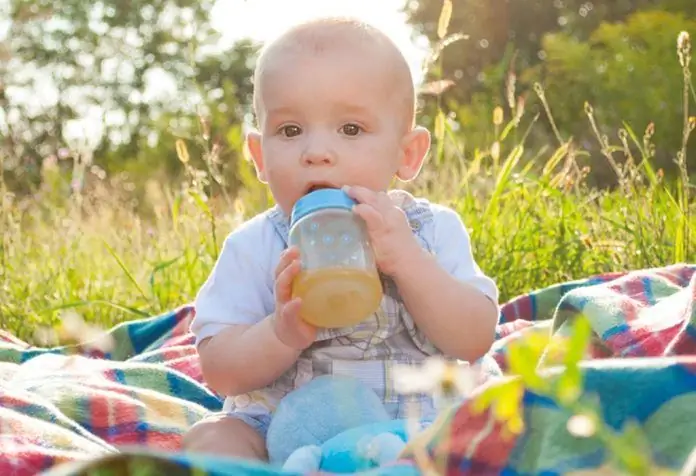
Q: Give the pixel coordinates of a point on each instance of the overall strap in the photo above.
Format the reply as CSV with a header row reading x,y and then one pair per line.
x,y
281,223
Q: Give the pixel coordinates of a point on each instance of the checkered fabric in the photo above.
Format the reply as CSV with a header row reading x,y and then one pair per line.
x,y
370,349
103,412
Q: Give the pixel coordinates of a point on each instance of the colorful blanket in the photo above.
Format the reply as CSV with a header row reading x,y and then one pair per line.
x,y
75,410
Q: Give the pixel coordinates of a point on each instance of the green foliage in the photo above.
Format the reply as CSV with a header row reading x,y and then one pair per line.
x,y
550,365
619,57
627,71
493,27
531,224
141,72
90,253
103,246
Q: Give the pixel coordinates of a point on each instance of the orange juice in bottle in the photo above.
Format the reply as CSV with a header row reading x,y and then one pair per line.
x,y
337,296
339,283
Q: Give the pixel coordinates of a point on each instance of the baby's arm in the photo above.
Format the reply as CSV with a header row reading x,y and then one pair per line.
x,y
244,358
445,294
242,349
450,299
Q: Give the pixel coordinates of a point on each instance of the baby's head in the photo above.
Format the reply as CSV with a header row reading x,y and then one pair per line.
x,y
335,105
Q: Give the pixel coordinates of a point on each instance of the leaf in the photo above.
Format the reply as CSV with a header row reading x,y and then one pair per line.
x,y
122,265
632,449
485,399
444,20
507,405
578,341
200,203
176,209
440,126
645,163
161,266
557,156
74,304
523,358
182,151
502,179
569,385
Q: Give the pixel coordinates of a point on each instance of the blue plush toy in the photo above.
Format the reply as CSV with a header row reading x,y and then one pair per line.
x,y
333,424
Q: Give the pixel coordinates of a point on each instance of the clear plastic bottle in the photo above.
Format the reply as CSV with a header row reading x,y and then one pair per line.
x,y
339,284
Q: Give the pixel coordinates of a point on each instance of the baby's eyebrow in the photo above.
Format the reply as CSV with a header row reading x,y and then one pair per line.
x,y
283,110
352,108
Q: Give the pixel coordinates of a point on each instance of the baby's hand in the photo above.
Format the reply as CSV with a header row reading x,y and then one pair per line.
x,y
390,233
290,329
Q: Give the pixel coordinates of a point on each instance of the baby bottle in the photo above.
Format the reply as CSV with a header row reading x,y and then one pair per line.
x,y
339,284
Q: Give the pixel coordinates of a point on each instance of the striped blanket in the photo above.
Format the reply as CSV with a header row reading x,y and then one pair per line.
x,y
78,410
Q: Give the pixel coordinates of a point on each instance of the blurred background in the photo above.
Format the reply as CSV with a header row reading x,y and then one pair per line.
x,y
560,135
118,81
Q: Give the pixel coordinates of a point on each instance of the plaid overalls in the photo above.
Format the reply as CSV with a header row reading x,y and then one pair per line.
x,y
367,351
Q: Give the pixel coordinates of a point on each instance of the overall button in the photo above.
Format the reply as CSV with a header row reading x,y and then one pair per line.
x,y
242,401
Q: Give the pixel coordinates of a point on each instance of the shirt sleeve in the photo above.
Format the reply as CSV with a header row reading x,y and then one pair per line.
x,y
238,289
452,247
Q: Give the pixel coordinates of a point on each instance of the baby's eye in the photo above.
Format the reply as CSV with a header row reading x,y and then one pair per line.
x,y
290,131
351,129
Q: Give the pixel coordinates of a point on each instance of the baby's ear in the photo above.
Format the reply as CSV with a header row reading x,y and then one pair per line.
x,y
253,151
414,148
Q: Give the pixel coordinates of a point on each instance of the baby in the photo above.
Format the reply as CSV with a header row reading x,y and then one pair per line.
x,y
335,104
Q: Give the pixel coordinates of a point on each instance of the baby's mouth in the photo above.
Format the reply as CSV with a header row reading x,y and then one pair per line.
x,y
319,186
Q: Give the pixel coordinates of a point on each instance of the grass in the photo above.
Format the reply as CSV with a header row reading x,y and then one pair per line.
x,y
533,223
101,251
104,252
107,253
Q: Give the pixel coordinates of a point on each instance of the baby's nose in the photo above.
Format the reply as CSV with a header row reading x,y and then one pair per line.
x,y
317,159
318,153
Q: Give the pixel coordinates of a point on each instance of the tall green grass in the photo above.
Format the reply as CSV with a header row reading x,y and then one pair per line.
x,y
533,219
96,254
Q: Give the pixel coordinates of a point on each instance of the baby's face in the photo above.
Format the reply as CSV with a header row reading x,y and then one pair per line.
x,y
328,120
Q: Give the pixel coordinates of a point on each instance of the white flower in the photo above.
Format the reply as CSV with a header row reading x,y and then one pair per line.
x,y
581,426
442,379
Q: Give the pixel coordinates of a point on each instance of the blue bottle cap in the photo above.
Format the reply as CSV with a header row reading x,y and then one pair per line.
x,y
319,200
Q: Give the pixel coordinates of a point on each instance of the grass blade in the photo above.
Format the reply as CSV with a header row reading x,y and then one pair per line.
x,y
91,302
125,269
503,177
161,267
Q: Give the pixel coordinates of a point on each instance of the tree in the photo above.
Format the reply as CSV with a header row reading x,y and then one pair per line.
x,y
497,28
628,72
134,68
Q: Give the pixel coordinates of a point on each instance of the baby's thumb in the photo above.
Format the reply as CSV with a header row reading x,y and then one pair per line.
x,y
291,311
293,318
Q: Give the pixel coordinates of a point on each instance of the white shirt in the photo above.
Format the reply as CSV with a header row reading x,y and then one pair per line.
x,y
240,290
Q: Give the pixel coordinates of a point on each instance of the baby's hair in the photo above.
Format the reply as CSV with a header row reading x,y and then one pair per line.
x,y
319,35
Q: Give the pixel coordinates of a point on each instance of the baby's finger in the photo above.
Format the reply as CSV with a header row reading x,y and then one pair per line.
x,y
373,218
380,201
291,311
293,319
283,285
361,194
383,202
298,333
286,257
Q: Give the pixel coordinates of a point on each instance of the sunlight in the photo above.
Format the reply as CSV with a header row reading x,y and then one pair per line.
x,y
260,20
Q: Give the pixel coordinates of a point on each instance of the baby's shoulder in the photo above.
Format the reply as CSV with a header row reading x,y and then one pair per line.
x,y
255,242
252,231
